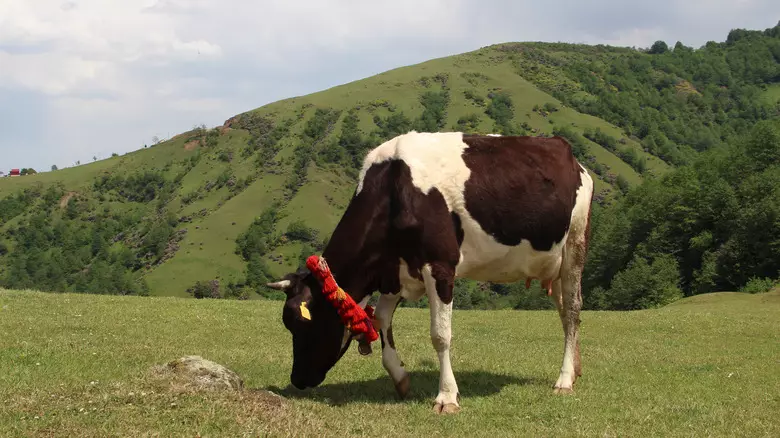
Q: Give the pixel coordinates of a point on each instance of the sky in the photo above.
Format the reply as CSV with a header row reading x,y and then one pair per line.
x,y
86,78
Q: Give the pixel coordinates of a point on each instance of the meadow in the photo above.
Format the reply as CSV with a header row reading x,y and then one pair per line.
x,y
79,365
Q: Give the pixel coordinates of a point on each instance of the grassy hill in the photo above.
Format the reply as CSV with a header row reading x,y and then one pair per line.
x,y
76,365
243,202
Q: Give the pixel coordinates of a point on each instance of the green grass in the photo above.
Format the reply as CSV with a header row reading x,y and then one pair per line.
x,y
78,365
772,93
208,250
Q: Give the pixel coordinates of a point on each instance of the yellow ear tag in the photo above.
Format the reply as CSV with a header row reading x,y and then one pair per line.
x,y
305,311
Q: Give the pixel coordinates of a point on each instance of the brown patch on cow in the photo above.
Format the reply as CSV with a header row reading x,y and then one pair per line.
x,y
190,145
456,222
577,362
390,339
521,188
66,198
425,232
444,275
389,220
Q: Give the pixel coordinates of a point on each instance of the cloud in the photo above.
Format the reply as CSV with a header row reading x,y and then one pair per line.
x,y
82,72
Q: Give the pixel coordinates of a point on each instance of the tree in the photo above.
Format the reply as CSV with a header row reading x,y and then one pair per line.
x,y
763,146
658,47
622,184
53,167
645,285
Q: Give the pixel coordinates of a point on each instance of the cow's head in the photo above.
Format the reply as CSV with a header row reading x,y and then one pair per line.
x,y
318,334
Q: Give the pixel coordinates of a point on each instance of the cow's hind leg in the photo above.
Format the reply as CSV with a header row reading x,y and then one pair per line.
x,y
385,310
568,305
567,293
439,281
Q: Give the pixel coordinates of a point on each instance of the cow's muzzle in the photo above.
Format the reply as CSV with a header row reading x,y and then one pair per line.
x,y
302,383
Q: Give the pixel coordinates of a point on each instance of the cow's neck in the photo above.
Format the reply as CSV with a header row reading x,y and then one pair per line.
x,y
354,251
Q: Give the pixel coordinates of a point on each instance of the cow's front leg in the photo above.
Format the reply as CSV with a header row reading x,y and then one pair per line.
x,y
439,281
385,310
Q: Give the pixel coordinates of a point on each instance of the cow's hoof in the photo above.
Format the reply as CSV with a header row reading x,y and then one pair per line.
x,y
449,408
563,391
364,349
402,387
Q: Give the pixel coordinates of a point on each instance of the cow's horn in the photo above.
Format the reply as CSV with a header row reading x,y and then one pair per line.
x,y
279,285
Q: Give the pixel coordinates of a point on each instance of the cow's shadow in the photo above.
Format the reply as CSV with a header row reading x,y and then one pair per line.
x,y
424,387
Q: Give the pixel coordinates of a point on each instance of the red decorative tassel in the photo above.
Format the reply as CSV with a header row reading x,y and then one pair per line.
x,y
353,316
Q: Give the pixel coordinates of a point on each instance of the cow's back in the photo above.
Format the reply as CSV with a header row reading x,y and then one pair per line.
x,y
513,196
521,188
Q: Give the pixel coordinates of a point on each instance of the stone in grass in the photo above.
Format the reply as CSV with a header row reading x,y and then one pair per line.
x,y
201,373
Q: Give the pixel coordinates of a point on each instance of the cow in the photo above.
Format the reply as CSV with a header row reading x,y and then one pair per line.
x,y
432,207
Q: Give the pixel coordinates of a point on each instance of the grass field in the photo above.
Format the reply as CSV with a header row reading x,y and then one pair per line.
x,y
78,365
772,93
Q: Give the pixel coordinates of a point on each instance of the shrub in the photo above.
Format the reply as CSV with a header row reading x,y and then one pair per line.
x,y
258,239
205,289
759,285
298,230
644,285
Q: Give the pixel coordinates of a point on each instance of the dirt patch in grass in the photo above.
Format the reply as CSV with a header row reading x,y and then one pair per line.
x,y
65,199
190,145
197,373
685,87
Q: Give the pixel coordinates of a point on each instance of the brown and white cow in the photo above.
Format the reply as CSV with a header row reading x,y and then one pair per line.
x,y
432,207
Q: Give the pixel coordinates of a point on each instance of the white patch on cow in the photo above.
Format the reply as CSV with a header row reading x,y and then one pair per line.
x,y
412,289
379,154
434,160
384,313
582,205
441,337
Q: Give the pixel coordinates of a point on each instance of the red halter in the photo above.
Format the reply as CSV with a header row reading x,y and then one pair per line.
x,y
353,316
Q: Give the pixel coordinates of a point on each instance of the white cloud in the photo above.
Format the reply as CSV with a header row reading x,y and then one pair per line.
x,y
131,69
87,43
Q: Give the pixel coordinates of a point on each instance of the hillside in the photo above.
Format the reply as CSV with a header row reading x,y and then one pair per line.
x,y
244,201
79,365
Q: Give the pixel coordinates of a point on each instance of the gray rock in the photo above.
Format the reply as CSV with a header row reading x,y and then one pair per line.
x,y
202,374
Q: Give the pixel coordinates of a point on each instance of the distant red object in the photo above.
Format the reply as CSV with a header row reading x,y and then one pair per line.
x,y
14,172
